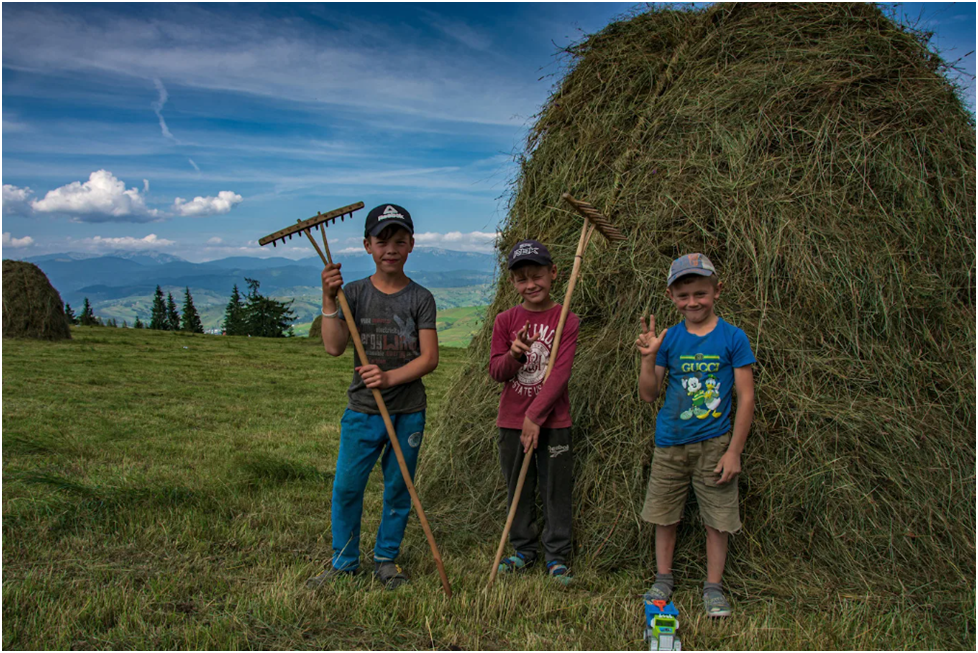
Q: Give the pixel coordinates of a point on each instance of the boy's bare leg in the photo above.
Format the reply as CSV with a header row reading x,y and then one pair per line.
x,y
716,553
665,546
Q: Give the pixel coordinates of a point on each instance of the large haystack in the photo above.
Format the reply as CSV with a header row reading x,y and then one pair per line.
x,y
821,160
32,308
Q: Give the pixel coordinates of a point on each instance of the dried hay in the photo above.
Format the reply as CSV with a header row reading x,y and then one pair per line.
x,y
818,156
32,308
316,330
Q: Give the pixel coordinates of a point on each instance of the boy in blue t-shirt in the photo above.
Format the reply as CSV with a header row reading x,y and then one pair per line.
x,y
707,358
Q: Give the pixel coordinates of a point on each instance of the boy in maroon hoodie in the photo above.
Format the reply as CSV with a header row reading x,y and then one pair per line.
x,y
535,418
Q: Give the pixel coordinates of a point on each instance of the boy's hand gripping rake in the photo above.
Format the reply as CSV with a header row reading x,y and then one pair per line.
x,y
304,226
593,220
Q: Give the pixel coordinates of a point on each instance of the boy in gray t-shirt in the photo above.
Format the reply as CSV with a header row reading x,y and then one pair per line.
x,y
396,320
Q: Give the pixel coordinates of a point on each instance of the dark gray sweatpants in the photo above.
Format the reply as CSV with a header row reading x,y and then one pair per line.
x,y
553,471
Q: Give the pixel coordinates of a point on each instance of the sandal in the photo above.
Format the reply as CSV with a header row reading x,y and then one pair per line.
x,y
516,563
558,571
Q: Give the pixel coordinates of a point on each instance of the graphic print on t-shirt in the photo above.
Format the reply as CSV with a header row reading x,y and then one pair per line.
x,y
389,342
529,380
702,386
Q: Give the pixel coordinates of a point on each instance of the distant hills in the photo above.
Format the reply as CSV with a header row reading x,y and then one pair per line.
x,y
120,284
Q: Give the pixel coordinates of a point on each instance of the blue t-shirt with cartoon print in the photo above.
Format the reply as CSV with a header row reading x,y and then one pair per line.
x,y
700,382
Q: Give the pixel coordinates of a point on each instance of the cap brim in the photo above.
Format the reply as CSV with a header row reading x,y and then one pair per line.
x,y
700,271
541,260
380,226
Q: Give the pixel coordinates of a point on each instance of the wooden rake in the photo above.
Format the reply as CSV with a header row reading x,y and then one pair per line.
x,y
593,220
322,220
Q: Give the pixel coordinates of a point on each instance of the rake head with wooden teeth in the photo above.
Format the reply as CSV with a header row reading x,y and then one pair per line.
x,y
321,219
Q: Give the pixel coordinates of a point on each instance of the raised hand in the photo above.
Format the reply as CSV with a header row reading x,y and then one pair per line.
x,y
648,343
523,343
332,280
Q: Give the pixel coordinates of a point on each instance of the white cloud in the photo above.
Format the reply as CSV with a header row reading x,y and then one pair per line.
x,y
201,206
8,241
215,241
102,198
151,241
194,165
474,241
16,201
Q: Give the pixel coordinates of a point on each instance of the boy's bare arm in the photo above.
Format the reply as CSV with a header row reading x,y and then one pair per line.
x,y
335,332
729,465
425,363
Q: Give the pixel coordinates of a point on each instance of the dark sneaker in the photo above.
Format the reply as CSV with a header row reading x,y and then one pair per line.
x,y
516,563
390,574
330,574
559,572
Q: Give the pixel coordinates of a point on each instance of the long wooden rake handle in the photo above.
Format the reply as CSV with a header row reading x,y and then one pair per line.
x,y
358,343
586,233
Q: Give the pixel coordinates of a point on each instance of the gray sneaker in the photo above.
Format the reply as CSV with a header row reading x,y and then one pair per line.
x,y
330,574
390,574
716,604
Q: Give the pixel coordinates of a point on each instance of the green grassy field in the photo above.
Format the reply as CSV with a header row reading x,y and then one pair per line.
x,y
171,491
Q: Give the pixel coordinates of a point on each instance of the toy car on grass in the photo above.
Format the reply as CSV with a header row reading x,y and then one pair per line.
x,y
661,622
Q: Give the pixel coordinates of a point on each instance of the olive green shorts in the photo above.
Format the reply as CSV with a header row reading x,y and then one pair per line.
x,y
673,468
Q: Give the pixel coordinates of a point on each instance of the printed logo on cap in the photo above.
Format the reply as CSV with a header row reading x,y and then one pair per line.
x,y
389,213
526,248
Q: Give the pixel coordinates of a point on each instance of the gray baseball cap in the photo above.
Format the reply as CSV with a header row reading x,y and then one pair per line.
x,y
690,264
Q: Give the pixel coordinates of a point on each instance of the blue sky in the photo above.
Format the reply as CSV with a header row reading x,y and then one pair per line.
x,y
196,129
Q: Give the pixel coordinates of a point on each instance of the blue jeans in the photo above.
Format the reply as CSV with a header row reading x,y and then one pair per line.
x,y
363,438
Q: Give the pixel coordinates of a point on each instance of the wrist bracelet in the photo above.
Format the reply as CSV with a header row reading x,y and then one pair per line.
x,y
333,314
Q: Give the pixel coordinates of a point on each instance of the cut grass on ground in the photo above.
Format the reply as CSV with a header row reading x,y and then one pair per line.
x,y
171,491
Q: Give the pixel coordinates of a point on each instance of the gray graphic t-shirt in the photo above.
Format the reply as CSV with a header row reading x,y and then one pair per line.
x,y
389,326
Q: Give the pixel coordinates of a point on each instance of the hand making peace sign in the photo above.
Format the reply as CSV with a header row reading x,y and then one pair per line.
x,y
648,343
524,342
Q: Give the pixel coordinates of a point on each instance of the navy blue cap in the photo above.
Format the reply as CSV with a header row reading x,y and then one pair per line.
x,y
529,251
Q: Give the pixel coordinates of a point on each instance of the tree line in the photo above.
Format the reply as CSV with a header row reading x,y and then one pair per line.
x,y
252,314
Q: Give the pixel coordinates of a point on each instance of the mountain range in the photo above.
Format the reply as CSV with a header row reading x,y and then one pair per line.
x,y
120,284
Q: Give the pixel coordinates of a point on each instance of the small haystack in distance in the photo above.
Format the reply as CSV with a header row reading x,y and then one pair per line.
x,y
818,156
316,330
32,308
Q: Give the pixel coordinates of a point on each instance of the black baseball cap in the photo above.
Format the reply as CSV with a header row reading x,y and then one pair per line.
x,y
529,251
385,215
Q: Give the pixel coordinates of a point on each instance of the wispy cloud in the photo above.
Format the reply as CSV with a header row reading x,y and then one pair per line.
x,y
215,49
102,198
9,241
150,242
11,124
474,241
158,108
193,164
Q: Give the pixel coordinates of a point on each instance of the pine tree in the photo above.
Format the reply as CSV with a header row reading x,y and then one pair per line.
x,y
138,324
88,316
266,317
191,318
172,316
234,315
125,325
112,323
158,318
70,315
